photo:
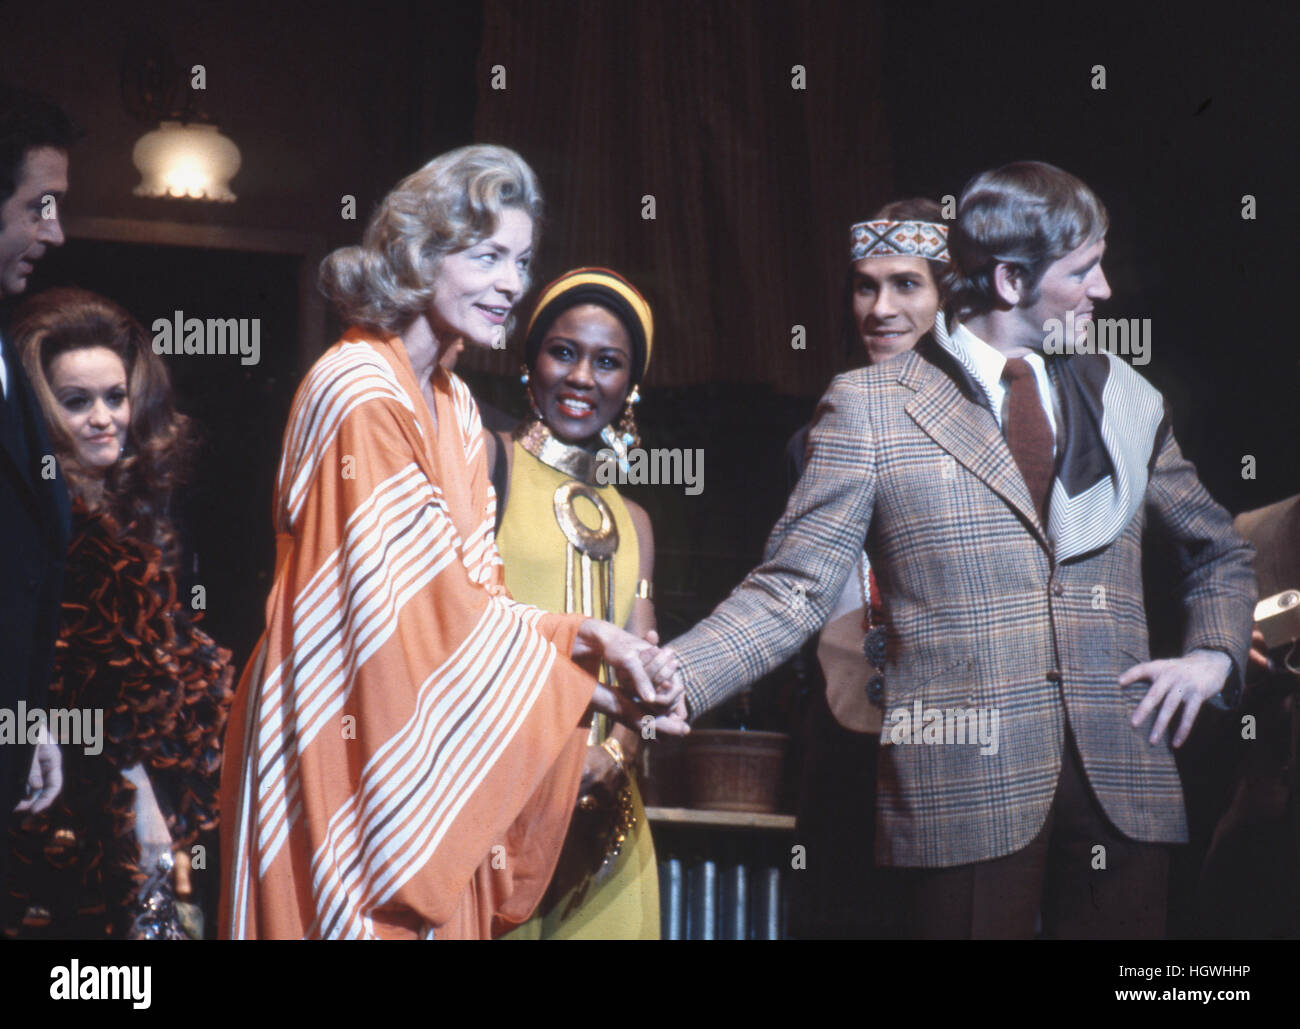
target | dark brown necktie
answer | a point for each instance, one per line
(1028, 434)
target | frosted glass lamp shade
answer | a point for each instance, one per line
(180, 160)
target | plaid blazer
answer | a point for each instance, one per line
(906, 458)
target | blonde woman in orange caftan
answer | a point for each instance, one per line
(407, 740)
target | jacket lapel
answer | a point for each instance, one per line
(49, 496)
(13, 454)
(53, 492)
(963, 426)
(14, 422)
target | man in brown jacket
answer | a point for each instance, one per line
(1003, 494)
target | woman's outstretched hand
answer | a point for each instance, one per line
(649, 694)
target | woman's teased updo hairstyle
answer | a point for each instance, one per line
(160, 440)
(450, 204)
(1028, 214)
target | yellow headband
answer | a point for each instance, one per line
(601, 278)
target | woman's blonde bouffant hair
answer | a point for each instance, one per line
(450, 204)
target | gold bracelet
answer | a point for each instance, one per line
(644, 590)
(614, 749)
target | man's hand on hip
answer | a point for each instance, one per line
(1189, 681)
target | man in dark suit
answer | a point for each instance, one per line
(34, 137)
(1003, 496)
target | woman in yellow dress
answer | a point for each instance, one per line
(570, 543)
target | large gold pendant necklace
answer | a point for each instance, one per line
(594, 550)
(591, 549)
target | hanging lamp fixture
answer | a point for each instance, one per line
(185, 155)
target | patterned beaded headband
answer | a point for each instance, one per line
(898, 239)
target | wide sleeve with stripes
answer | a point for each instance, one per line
(406, 744)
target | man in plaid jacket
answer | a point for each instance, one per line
(1003, 495)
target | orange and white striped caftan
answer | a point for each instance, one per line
(407, 741)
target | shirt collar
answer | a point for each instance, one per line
(983, 360)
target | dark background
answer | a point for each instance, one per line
(756, 184)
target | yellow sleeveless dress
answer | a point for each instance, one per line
(623, 902)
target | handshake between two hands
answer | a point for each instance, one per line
(649, 694)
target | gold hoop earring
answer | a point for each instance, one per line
(627, 427)
(627, 436)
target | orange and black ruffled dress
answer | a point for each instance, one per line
(129, 649)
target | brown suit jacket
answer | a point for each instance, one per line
(907, 457)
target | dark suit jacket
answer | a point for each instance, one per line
(981, 615)
(34, 525)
